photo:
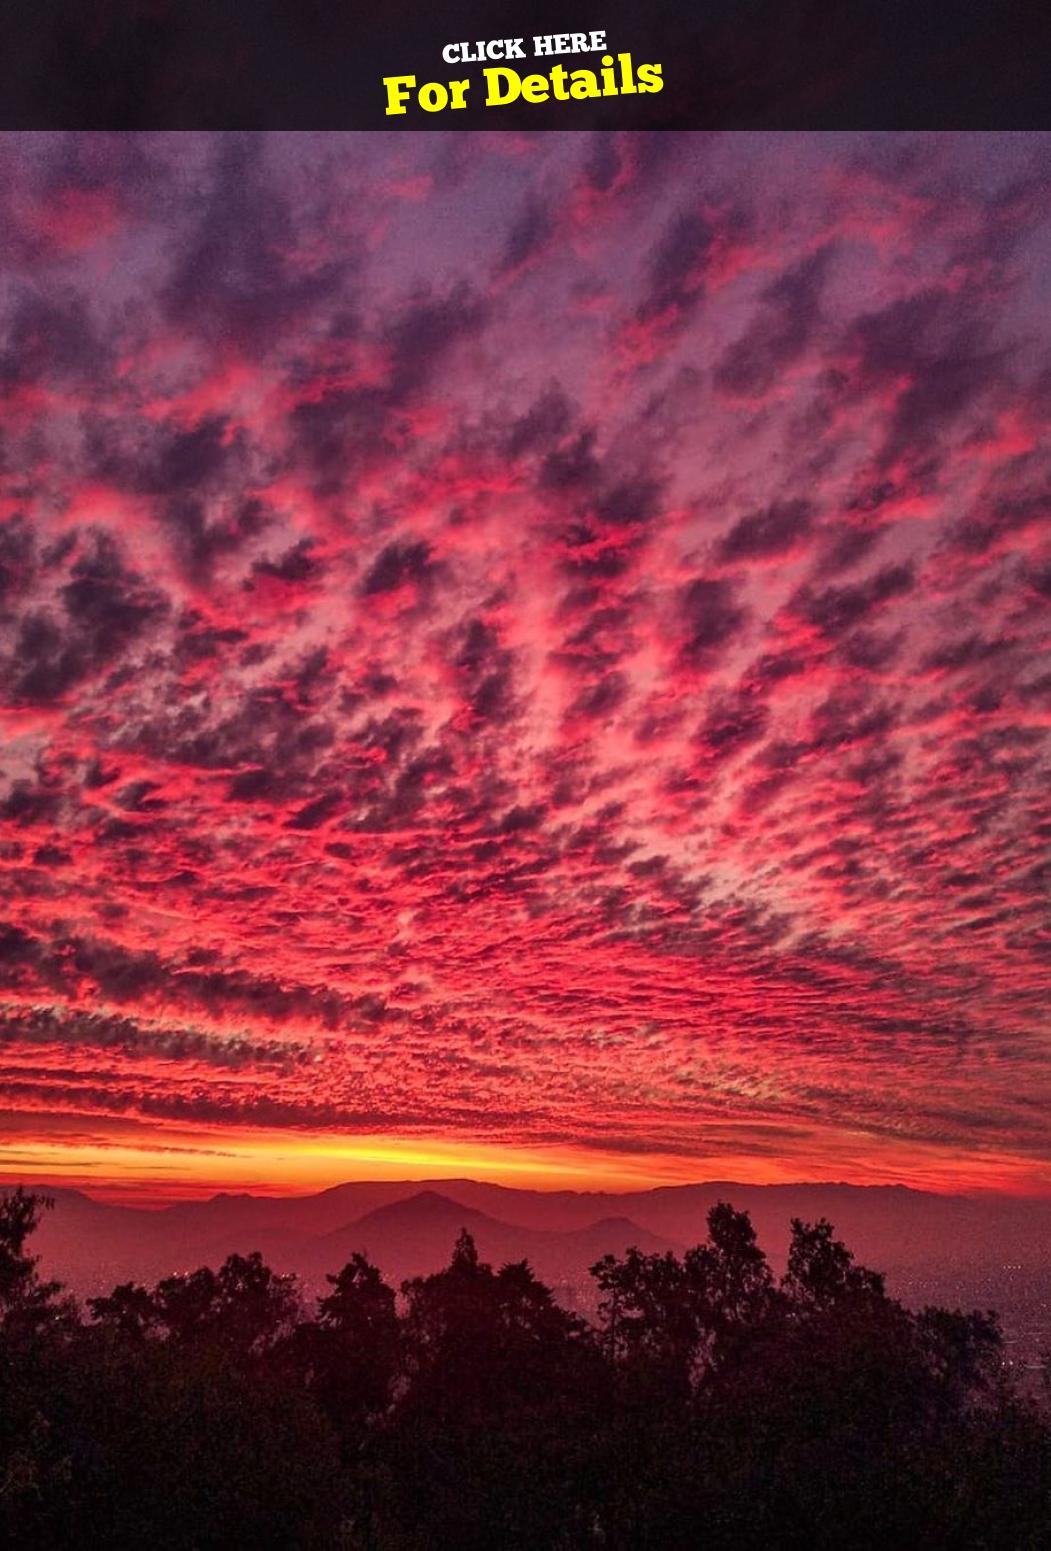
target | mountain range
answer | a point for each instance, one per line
(408, 1228)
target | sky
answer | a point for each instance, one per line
(525, 656)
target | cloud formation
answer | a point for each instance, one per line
(531, 641)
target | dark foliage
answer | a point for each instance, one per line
(709, 1406)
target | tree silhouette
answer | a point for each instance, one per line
(129, 1311)
(25, 1300)
(499, 1408)
(244, 1307)
(648, 1315)
(821, 1270)
(349, 1355)
(731, 1285)
(709, 1406)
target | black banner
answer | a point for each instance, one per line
(558, 64)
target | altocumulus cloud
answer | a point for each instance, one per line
(543, 640)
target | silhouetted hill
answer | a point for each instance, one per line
(415, 1236)
(91, 1244)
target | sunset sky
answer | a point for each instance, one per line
(525, 656)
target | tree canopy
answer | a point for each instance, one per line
(710, 1403)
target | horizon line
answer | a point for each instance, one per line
(118, 1194)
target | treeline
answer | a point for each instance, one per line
(710, 1406)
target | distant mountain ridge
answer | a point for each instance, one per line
(417, 1233)
(408, 1227)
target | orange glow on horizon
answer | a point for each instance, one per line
(129, 1165)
